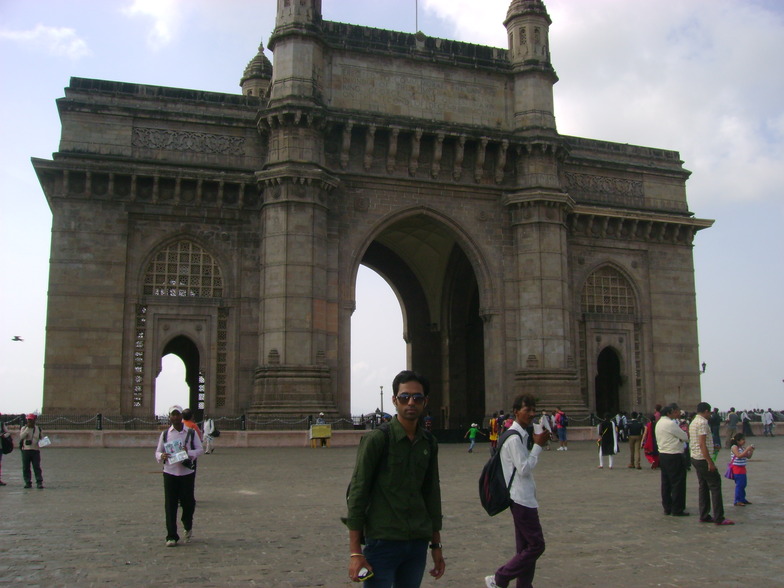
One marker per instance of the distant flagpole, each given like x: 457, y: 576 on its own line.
x: 416, y: 16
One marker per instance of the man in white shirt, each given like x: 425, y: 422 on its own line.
x: 767, y: 423
x: 670, y: 439
x: 178, y: 476
x: 518, y: 462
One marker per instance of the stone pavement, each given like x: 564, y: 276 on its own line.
x: 270, y: 517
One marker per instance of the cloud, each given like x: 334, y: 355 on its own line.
x: 165, y: 17
x: 58, y: 41
x: 482, y: 26
x: 696, y: 77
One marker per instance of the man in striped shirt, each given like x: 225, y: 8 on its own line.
x: 708, y: 476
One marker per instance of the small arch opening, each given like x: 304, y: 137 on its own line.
x: 170, y: 385
x: 608, y: 382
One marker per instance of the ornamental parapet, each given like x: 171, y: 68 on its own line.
x: 634, y: 226
x: 151, y: 185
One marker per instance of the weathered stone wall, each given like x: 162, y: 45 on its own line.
x: 435, y: 162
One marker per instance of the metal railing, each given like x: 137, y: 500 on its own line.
x: 106, y: 422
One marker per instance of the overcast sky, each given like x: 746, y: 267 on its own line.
x: 702, y: 77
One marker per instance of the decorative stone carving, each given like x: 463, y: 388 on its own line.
x: 187, y: 141
x: 481, y: 152
x: 437, y: 153
x: 370, y: 136
x: 413, y: 163
x: 590, y: 184
x: 392, y: 150
x: 346, y: 145
x: 457, y: 171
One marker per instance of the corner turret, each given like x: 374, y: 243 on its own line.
x: 298, y: 12
x: 528, y: 28
x: 298, y: 52
x: 257, y: 75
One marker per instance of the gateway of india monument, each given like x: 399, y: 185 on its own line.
x: 228, y: 229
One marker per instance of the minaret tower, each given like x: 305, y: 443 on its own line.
x: 298, y: 312
x: 298, y: 52
x: 528, y: 28
x: 539, y: 208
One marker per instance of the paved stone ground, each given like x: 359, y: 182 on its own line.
x: 270, y: 517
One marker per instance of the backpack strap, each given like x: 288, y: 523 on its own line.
x: 188, y: 437
x: 507, y: 434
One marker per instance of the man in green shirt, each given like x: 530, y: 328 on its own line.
x: 394, y: 499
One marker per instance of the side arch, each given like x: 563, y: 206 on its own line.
x: 182, y: 292
x: 611, y: 340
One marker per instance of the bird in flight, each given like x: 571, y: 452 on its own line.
x: 17, y: 338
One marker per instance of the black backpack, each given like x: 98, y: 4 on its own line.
x: 493, y: 489
x: 8, y: 445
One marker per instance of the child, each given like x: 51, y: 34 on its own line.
x: 740, y: 454
x: 471, y: 434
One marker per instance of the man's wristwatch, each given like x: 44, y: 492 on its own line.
x: 435, y: 546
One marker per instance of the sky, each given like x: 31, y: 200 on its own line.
x: 702, y: 77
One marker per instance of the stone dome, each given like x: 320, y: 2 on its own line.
x: 258, y: 68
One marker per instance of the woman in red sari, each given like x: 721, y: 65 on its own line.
x: 649, y: 446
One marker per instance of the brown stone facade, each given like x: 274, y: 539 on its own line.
x: 229, y: 229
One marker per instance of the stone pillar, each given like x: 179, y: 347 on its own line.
x: 299, y: 312
x: 545, y: 356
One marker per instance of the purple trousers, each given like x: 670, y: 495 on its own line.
x: 530, y: 545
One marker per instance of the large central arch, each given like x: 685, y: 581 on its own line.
x: 422, y: 259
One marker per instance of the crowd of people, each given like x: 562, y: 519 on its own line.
x: 394, y: 513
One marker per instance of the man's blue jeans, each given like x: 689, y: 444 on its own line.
x: 396, y: 563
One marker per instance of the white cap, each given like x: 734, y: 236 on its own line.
x: 175, y: 408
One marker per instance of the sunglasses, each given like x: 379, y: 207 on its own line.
x: 404, y: 398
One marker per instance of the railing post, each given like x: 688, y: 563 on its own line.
x: 99, y: 422
x: 242, y: 423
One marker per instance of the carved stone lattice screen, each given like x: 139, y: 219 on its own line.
x: 183, y: 269
x: 606, y: 291
x: 138, y: 355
